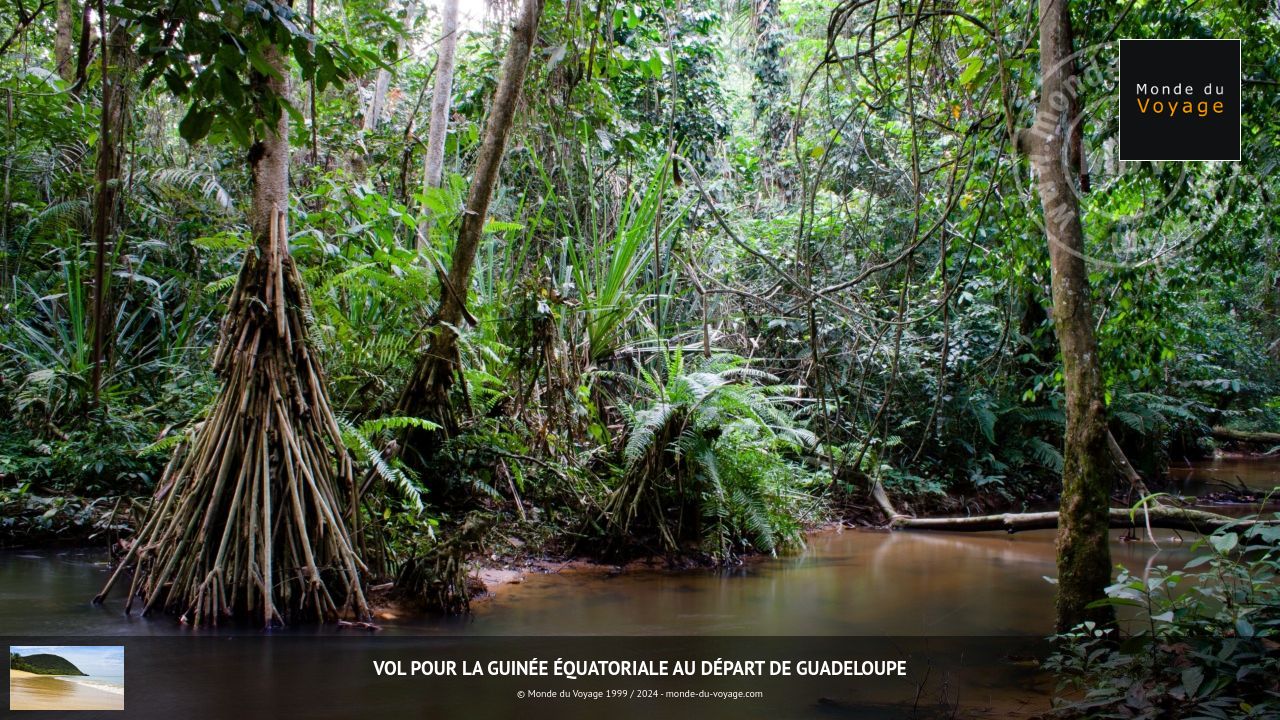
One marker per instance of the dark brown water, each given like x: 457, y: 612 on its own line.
x: 1225, y: 472
x: 844, y: 595
x: 852, y: 584
x: 847, y: 583
x: 843, y: 583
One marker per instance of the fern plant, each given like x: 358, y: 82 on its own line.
x: 708, y: 461
x: 364, y: 440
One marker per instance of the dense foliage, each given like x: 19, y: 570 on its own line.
x: 1203, y: 642
x: 43, y: 664
x: 744, y: 260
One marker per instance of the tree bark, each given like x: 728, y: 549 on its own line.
x: 84, y: 49
x: 1084, y: 558
x: 1152, y: 515
x: 441, y: 101
x: 269, y: 162
x: 1136, y: 485
x: 382, y: 82
x: 373, y: 111
x: 442, y: 95
x: 63, y: 28
x: 427, y: 393
x: 116, y: 57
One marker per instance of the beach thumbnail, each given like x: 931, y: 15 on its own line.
x: 66, y: 677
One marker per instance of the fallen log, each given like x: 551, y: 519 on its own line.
x: 1243, y: 436
x: 1168, y: 518
x: 1150, y: 516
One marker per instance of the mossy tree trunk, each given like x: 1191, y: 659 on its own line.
x: 1084, y: 556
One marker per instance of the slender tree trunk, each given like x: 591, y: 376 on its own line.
x: 441, y: 100
x: 64, y: 25
x: 84, y: 48
x: 116, y: 61
x: 382, y: 83
x: 1084, y: 556
x: 442, y: 95
x: 373, y: 111
x: 427, y: 393
x: 269, y: 163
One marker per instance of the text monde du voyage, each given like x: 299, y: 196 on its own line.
x: 571, y: 669
x: 1179, y: 99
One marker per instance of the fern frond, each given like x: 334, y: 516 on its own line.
x: 361, y: 445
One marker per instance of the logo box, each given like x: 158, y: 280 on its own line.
x: 1180, y: 100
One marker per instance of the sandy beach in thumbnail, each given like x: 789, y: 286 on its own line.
x: 28, y: 691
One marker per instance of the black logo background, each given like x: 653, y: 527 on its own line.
x: 1182, y: 137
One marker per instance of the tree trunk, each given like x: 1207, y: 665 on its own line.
x: 427, y: 393
x: 1136, y: 485
x: 116, y: 57
x: 1084, y: 558
x: 84, y: 49
x: 442, y: 95
x: 269, y: 163
x: 382, y: 82
x: 1152, y: 515
x: 441, y: 100
x: 1170, y: 518
x: 248, y: 519
x: 1241, y: 436
x: 64, y: 24
x: 373, y: 111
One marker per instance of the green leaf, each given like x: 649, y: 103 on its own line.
x: 494, y: 226
x: 436, y: 199
x: 1192, y: 679
x: 175, y: 83
x: 259, y: 63
x: 1197, y: 561
x: 229, y: 83
x: 195, y: 125
x: 229, y: 56
x: 326, y: 69
x: 1224, y: 543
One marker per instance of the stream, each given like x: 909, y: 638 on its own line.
x: 855, y: 584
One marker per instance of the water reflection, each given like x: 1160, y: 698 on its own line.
x: 853, y: 582
x: 847, y: 583
x: 1223, y: 472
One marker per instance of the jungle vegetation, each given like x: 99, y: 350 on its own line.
x: 300, y: 299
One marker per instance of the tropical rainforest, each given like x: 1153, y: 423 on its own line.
x: 305, y: 302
